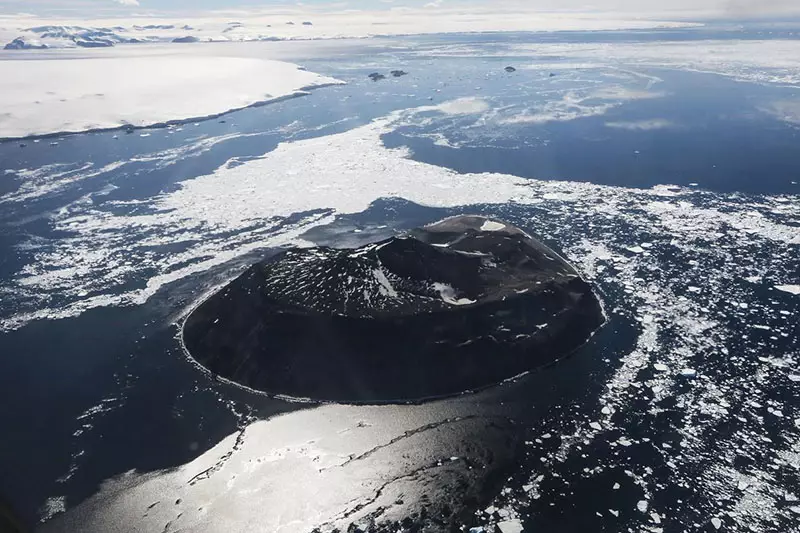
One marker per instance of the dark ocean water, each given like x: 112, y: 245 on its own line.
x: 108, y: 389
x: 720, y: 142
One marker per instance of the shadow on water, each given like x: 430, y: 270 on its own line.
x: 107, y: 392
x: 9, y: 521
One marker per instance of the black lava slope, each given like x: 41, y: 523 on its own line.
x: 451, y: 307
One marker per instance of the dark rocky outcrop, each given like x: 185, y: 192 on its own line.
x: 456, y: 306
x: 21, y: 44
x: 93, y: 43
x: 155, y: 27
x: 187, y: 39
x: 399, y: 73
x: 510, y: 69
x: 376, y: 76
x: 87, y: 37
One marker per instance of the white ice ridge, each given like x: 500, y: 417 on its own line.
x: 449, y: 296
x: 72, y: 91
x: 385, y: 286
x: 490, y: 225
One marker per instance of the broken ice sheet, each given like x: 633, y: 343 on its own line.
x: 510, y: 526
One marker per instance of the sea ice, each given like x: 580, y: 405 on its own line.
x: 71, y: 91
x: 510, y: 526
x: 791, y: 289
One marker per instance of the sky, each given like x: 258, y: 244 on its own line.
x: 685, y: 8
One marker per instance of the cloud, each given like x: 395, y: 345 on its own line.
x: 128, y: 2
x: 642, y: 125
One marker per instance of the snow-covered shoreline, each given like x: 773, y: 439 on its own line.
x: 71, y: 92
x: 312, y: 24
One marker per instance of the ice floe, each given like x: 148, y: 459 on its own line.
x: 791, y: 289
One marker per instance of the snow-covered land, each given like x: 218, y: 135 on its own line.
x: 51, y: 84
x: 54, y: 36
x: 74, y: 91
x: 285, y: 24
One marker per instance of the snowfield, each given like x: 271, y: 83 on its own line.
x: 307, y: 22
x: 70, y: 91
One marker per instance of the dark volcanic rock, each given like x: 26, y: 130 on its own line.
x: 21, y: 44
x: 398, y: 73
x: 375, y: 76
x: 510, y: 69
x: 459, y: 305
x: 158, y: 27
x: 187, y: 39
x: 93, y: 43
